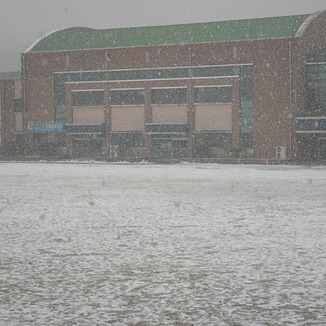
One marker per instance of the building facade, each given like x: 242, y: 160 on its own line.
x: 11, y: 113
x: 247, y: 88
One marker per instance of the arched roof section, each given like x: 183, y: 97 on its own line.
x: 78, y: 38
x: 307, y: 22
x: 57, y: 38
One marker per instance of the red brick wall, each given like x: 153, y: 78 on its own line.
x: 278, y: 77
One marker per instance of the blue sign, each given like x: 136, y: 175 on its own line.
x: 311, y: 125
x: 46, y: 126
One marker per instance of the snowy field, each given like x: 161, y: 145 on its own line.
x: 143, y: 244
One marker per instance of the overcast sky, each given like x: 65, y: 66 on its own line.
x: 22, y: 22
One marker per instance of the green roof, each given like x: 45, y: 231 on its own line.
x: 235, y: 30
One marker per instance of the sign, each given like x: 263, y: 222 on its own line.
x: 46, y: 126
x: 311, y: 125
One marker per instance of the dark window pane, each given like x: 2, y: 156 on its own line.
x: 169, y: 96
x: 88, y: 98
x: 213, y: 95
x: 18, y: 105
x: 246, y: 139
x: 60, y: 139
x: 39, y: 139
x: 128, y: 139
x: 59, y: 89
x: 215, y: 71
x: 213, y: 139
x: 127, y: 97
x: 316, y: 89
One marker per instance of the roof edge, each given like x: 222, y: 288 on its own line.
x: 307, y: 22
x: 49, y: 35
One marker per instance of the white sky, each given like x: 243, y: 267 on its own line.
x: 22, y: 21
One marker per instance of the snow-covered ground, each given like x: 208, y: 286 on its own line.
x: 142, y: 244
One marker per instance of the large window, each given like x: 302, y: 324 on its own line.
x: 213, y: 139
x: 213, y: 95
x: 246, y: 106
x: 206, y: 142
x: 127, y: 97
x: 88, y: 98
x: 163, y: 96
x: 39, y: 139
x: 60, y: 139
x: 316, y: 89
x: 128, y: 139
x: 18, y: 105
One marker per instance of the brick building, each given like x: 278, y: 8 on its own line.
x: 11, y: 107
x: 254, y: 88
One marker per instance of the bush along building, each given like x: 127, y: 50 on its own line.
x: 11, y: 114
x: 252, y: 89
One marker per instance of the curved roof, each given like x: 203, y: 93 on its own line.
x: 77, y: 38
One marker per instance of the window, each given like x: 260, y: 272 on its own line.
x: 59, y: 89
x: 39, y: 139
x: 60, y: 139
x: 246, y: 140
x: 127, y: 97
x: 60, y: 113
x: 88, y: 98
x: 128, y: 139
x: 214, y: 71
x: 213, y: 139
x: 18, y: 105
x: 163, y: 96
x: 19, y: 140
x: 211, y: 95
x: 246, y: 106
x: 206, y: 142
x: 316, y: 89
x: 246, y: 119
